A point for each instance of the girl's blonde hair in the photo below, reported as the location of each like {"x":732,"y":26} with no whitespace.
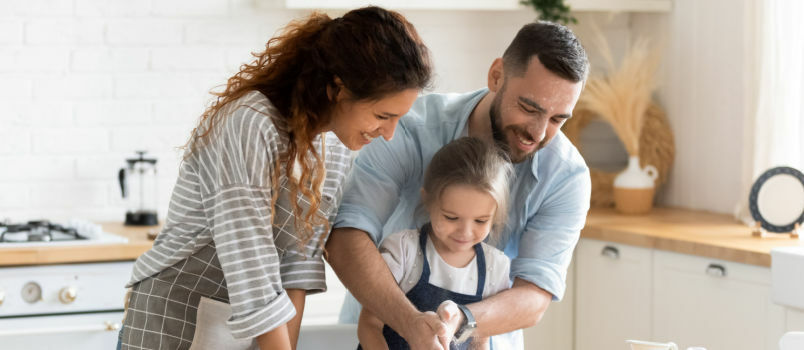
{"x":473,"y":162}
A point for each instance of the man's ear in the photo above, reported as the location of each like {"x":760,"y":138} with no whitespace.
{"x":496,"y":75}
{"x":423,"y":194}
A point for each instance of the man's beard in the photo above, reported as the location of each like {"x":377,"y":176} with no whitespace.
{"x":498,"y":135}
{"x":496,"y":129}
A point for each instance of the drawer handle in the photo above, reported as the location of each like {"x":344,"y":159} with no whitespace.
{"x":107,"y":326}
{"x":716,"y":270}
{"x":610,"y":252}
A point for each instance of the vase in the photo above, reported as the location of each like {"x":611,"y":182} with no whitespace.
{"x":634,"y":188}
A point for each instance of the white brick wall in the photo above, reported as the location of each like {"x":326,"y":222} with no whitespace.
{"x":10,"y":32}
{"x":72,"y":31}
{"x":85,"y":83}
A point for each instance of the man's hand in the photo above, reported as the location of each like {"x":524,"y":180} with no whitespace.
{"x":358,"y":264}
{"x":424,"y":332}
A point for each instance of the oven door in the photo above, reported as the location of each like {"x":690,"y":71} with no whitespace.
{"x":76,"y":331}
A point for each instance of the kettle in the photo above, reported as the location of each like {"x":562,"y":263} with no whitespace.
{"x":138,"y":188}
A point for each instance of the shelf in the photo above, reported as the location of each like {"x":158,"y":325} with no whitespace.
{"x":490,"y":5}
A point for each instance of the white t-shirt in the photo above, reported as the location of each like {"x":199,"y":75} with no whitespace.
{"x":401,"y":252}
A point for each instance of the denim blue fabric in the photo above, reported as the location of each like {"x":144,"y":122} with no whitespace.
{"x":120,"y":338}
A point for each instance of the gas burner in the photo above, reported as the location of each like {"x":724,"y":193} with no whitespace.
{"x":37,"y":231}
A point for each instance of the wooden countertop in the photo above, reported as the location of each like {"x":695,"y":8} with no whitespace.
{"x":691,"y":232}
{"x":138,"y":243}
{"x":699,"y":233}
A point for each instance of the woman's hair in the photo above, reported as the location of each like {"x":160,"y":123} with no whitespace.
{"x":374,"y":52}
{"x":473,"y":162}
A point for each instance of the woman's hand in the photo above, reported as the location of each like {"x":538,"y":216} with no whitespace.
{"x":297,"y":297}
{"x":452,"y":317}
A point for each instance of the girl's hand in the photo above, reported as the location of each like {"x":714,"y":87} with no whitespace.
{"x":452,"y":317}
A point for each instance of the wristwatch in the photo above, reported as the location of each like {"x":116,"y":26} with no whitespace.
{"x":468,"y":326}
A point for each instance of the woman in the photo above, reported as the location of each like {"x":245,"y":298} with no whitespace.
{"x":260,"y":183}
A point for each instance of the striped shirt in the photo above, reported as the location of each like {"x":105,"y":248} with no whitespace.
{"x":221,"y":238}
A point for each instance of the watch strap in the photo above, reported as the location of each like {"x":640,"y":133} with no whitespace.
{"x":468,"y":325}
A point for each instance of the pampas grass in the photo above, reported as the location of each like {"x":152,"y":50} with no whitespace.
{"x":622,"y":98}
{"x":656,"y":147}
{"x":623,"y":95}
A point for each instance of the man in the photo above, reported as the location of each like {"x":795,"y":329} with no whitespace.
{"x":532,"y":91}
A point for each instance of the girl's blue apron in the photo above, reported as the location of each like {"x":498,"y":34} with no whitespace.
{"x":428,"y":297}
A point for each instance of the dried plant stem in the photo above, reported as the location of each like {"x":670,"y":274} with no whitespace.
{"x":623,"y":95}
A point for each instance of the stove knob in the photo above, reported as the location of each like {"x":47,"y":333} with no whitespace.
{"x":67,"y":295}
{"x":31,"y":292}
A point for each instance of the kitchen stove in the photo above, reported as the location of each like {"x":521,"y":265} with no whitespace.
{"x":37,"y":231}
{"x":65,"y":306}
{"x":46,"y":233}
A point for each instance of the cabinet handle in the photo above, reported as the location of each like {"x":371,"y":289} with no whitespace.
{"x":106,"y":326}
{"x":716,"y":270}
{"x":610,"y":252}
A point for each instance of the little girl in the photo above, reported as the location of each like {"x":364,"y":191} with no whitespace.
{"x":465,"y":195}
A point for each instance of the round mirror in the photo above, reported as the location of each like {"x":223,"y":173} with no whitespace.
{"x":777,"y":199}
{"x":601,"y":148}
{"x":604,"y":151}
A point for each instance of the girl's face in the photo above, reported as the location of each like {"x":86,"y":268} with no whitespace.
{"x":356,"y":123}
{"x":461,"y":217}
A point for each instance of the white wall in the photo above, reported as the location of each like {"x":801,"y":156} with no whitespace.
{"x":85,"y":83}
{"x":707,"y":73}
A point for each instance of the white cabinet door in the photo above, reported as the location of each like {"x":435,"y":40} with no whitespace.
{"x":554,"y":331}
{"x":67,"y":332}
{"x":713,"y":303}
{"x":612,"y":293}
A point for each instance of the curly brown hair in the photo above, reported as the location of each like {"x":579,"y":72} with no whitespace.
{"x":374,"y":52}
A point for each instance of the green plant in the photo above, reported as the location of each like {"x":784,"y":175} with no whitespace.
{"x":551,"y":10}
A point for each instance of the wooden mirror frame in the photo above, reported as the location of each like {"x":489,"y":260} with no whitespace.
{"x":656,"y":147}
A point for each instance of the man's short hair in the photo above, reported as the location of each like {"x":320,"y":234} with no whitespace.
{"x":556,"y":47}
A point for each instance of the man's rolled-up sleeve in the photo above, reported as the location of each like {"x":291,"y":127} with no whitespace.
{"x":546,"y":246}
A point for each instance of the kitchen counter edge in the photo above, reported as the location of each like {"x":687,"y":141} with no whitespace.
{"x":683,"y":231}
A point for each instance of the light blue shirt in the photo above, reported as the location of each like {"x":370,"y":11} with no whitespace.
{"x":549,"y":194}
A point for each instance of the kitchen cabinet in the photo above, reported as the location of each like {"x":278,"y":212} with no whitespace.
{"x":61,"y":331}
{"x":613,"y":294}
{"x":575,"y":5}
{"x":713,"y":303}
{"x":554,"y":331}
{"x":626,"y":292}
{"x":693,"y":299}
